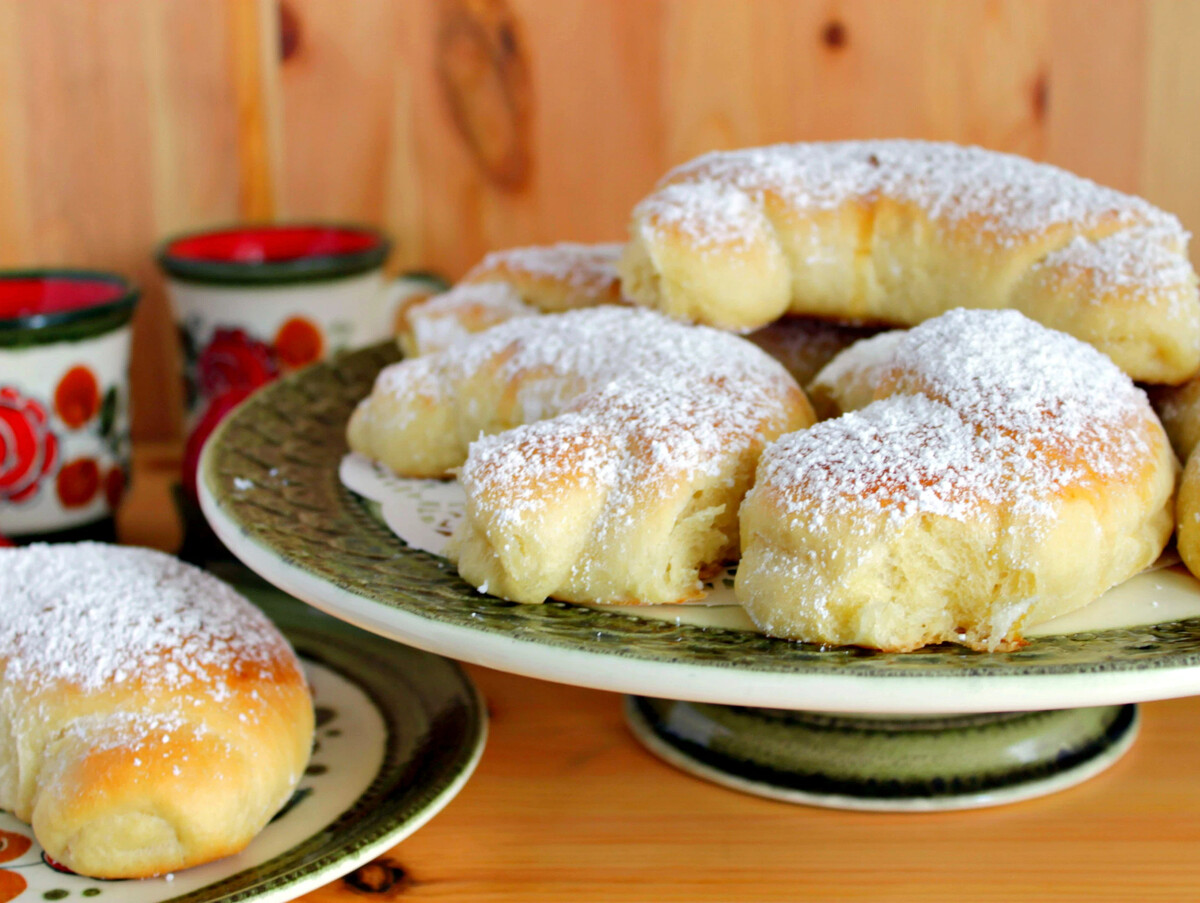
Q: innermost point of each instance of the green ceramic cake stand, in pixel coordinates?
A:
(942, 728)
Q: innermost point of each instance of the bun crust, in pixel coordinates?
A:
(517, 282)
(150, 718)
(617, 447)
(902, 231)
(1179, 409)
(1000, 474)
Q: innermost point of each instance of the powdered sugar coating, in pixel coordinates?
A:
(714, 214)
(687, 395)
(627, 397)
(447, 319)
(1141, 260)
(1005, 197)
(993, 410)
(93, 616)
(587, 268)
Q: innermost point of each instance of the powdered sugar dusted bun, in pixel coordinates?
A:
(849, 381)
(517, 282)
(901, 231)
(450, 318)
(556, 278)
(153, 719)
(618, 445)
(1006, 474)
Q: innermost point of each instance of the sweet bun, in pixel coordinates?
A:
(901, 231)
(1187, 515)
(448, 319)
(555, 278)
(150, 718)
(1179, 409)
(517, 282)
(850, 380)
(1004, 474)
(617, 447)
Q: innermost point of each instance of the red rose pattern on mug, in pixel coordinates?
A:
(64, 453)
(28, 449)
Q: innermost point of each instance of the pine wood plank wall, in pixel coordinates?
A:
(465, 125)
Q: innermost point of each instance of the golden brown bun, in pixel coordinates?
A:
(517, 282)
(1187, 515)
(618, 446)
(851, 379)
(152, 719)
(1004, 474)
(445, 320)
(555, 278)
(1179, 409)
(901, 231)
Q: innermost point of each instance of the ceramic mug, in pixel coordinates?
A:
(64, 402)
(255, 302)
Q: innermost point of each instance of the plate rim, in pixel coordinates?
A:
(291, 882)
(1026, 687)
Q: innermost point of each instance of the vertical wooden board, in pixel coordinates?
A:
(573, 85)
(732, 74)
(338, 88)
(88, 158)
(744, 74)
(854, 78)
(599, 127)
(953, 71)
(1170, 171)
(196, 177)
(1095, 89)
(253, 35)
(14, 178)
(193, 115)
(117, 137)
(981, 73)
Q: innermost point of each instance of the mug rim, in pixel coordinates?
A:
(303, 268)
(118, 309)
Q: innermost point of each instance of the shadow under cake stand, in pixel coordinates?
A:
(943, 728)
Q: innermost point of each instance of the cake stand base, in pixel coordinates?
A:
(891, 763)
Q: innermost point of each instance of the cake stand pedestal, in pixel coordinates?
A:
(884, 763)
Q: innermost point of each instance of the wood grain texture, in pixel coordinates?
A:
(461, 126)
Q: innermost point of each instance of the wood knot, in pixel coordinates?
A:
(1040, 96)
(834, 35)
(381, 876)
(289, 32)
(483, 69)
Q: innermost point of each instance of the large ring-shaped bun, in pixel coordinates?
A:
(901, 231)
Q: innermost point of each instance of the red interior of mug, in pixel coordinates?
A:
(30, 296)
(272, 244)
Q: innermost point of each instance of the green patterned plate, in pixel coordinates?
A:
(398, 733)
(270, 489)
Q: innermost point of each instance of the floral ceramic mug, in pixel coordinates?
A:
(64, 401)
(255, 302)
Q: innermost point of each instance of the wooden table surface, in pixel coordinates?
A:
(566, 805)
